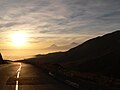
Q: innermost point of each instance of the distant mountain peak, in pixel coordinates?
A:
(53, 45)
(74, 43)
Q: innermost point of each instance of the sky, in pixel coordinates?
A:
(59, 22)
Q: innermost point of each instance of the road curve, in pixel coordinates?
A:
(20, 76)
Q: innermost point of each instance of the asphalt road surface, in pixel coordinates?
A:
(20, 76)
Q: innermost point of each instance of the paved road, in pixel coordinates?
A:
(20, 76)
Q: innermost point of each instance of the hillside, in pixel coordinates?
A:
(100, 54)
(94, 48)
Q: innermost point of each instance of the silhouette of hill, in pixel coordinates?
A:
(100, 54)
(1, 59)
(95, 48)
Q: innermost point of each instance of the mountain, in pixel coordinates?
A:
(62, 47)
(74, 44)
(52, 47)
(1, 59)
(95, 48)
(100, 54)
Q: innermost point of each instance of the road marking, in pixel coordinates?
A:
(18, 75)
(16, 88)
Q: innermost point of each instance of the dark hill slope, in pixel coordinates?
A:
(108, 64)
(93, 48)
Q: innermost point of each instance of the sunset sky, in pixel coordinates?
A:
(60, 22)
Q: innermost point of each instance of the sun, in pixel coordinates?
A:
(19, 39)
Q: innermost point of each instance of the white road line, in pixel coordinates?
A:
(16, 87)
(18, 75)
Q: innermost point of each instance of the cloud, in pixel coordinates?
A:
(7, 25)
(60, 18)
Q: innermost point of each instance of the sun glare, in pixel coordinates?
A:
(19, 39)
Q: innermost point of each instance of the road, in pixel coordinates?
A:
(20, 76)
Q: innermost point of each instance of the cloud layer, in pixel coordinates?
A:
(53, 20)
